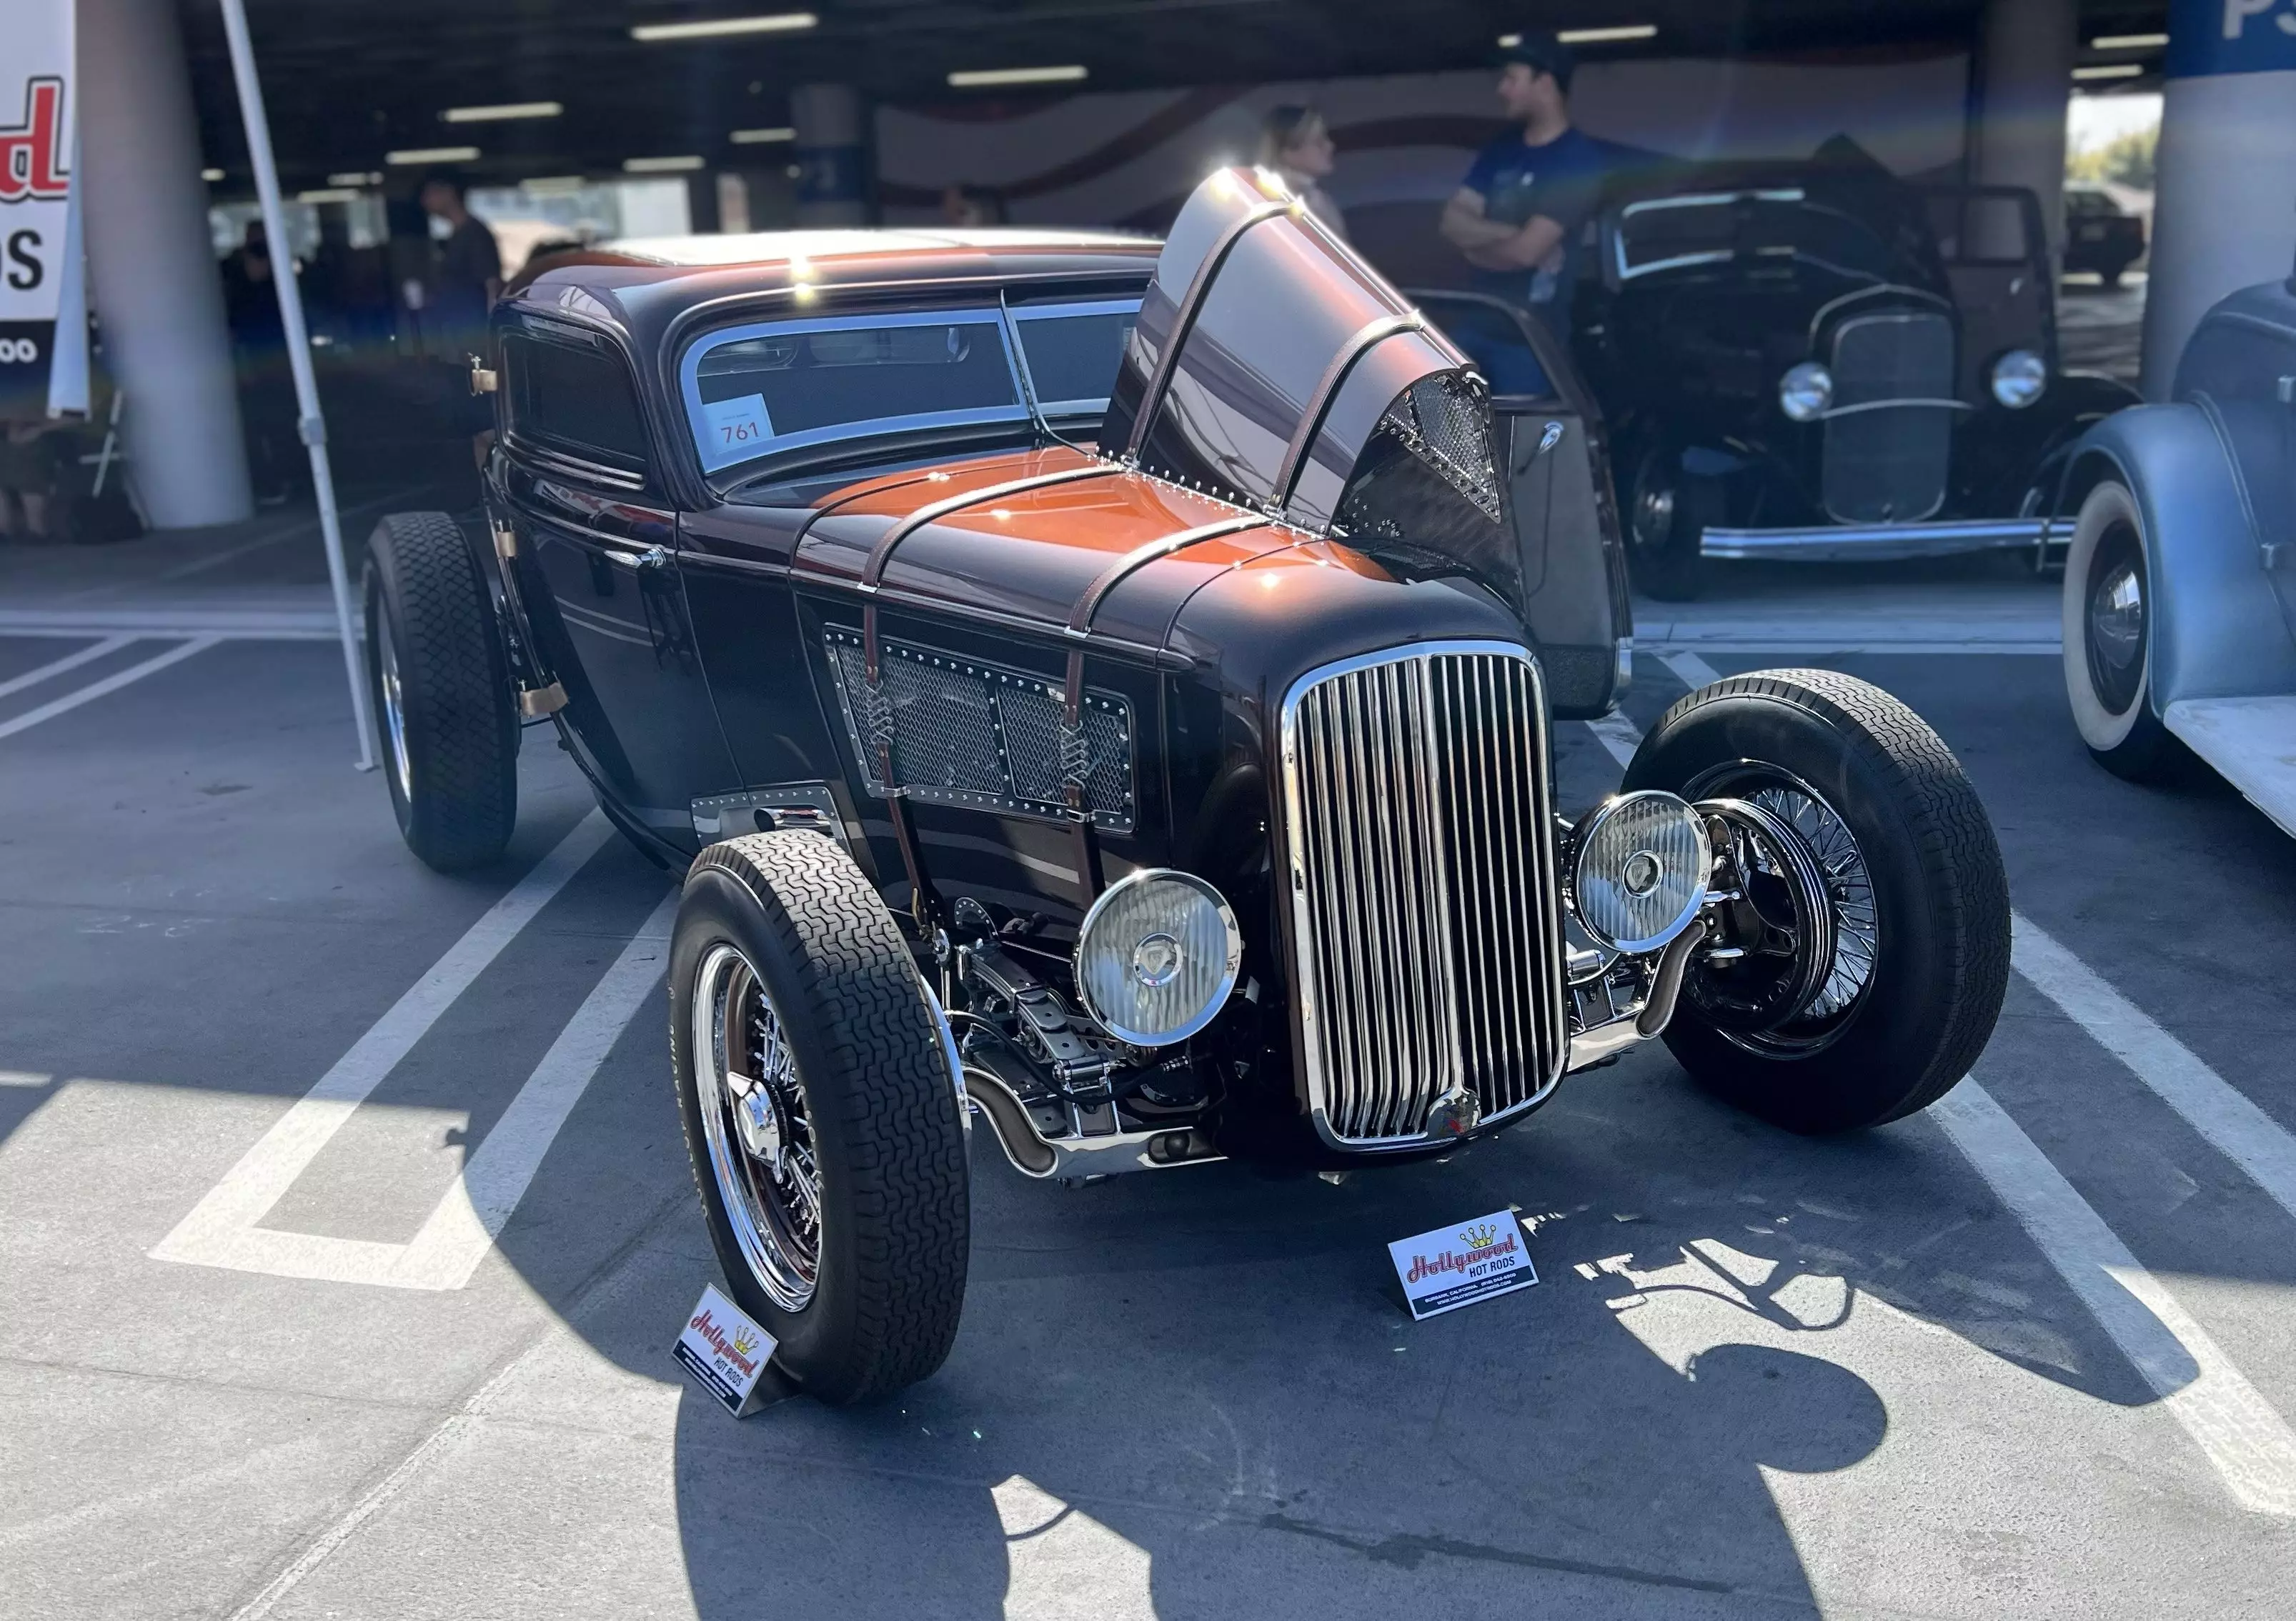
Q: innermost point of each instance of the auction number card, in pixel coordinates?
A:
(724, 1350)
(738, 427)
(1458, 1265)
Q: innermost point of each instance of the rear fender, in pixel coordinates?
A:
(2217, 631)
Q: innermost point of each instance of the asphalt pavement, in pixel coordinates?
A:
(344, 1227)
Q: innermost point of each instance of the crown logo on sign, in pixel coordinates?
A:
(744, 1342)
(1482, 1235)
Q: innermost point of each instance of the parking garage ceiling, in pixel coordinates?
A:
(348, 81)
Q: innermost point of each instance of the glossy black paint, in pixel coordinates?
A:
(688, 624)
(1687, 360)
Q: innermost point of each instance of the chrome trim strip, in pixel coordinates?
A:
(574, 467)
(1140, 557)
(932, 512)
(1892, 404)
(1426, 910)
(1318, 404)
(1151, 397)
(1839, 542)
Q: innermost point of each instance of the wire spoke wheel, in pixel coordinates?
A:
(759, 1131)
(1805, 936)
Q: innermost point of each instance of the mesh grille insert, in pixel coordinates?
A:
(983, 735)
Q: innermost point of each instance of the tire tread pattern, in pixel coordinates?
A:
(910, 1200)
(462, 734)
(1969, 885)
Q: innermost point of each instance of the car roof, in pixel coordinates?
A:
(645, 286)
(782, 247)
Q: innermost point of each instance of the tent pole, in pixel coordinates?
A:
(312, 425)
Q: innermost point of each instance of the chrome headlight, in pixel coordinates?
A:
(1639, 868)
(1157, 956)
(1805, 391)
(2019, 377)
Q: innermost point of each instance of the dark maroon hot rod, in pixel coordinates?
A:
(1107, 688)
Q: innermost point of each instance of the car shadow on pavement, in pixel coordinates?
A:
(1197, 1393)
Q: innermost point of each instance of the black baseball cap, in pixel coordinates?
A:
(1542, 52)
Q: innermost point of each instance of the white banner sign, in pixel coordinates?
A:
(1458, 1265)
(36, 85)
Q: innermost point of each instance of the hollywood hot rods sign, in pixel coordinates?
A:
(37, 81)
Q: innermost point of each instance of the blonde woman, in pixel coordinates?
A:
(1294, 143)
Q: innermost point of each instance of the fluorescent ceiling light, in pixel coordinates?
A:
(979, 78)
(555, 183)
(1599, 36)
(336, 193)
(2128, 42)
(659, 166)
(2124, 69)
(210, 175)
(759, 137)
(501, 111)
(714, 28)
(357, 176)
(430, 154)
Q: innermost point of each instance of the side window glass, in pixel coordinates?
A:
(574, 398)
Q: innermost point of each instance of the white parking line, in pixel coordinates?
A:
(1693, 671)
(471, 1215)
(113, 683)
(2244, 1438)
(1618, 734)
(57, 667)
(222, 1230)
(2237, 1128)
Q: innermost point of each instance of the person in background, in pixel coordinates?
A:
(28, 465)
(1517, 218)
(1296, 144)
(971, 205)
(267, 390)
(467, 278)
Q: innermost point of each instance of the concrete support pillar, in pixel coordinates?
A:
(2024, 80)
(2225, 211)
(152, 269)
(832, 155)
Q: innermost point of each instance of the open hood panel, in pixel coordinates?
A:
(1273, 368)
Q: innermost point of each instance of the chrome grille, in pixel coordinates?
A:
(1889, 466)
(1425, 904)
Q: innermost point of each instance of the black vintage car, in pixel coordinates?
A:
(1817, 361)
(1101, 688)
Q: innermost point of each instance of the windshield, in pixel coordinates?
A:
(1679, 233)
(766, 387)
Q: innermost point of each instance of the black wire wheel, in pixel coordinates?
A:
(1862, 951)
(823, 1113)
(759, 1133)
(1805, 929)
(2107, 638)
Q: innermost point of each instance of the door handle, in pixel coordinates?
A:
(652, 557)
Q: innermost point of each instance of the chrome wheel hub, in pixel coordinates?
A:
(1802, 933)
(394, 709)
(2116, 625)
(758, 1128)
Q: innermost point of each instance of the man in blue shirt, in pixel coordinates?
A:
(1517, 217)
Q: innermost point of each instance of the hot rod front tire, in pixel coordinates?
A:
(825, 1129)
(1911, 859)
(2107, 607)
(439, 679)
